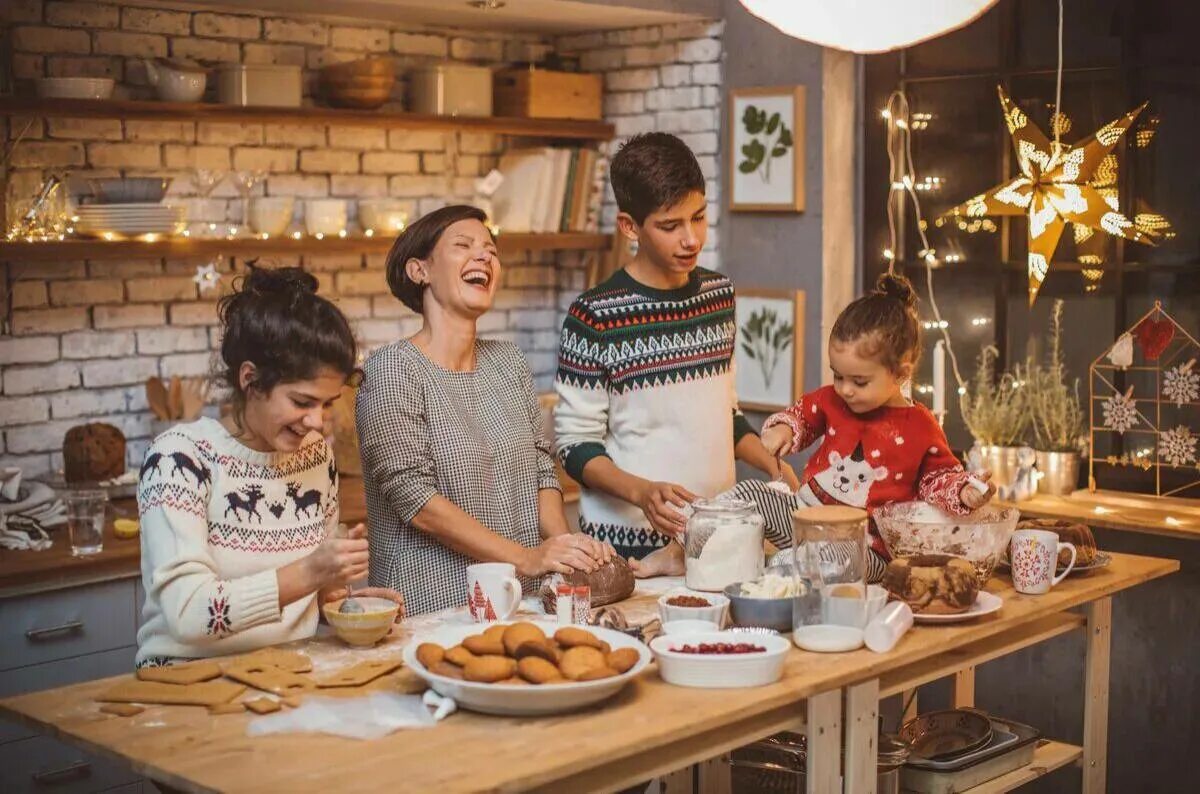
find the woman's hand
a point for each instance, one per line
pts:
(661, 502)
(777, 439)
(972, 497)
(564, 554)
(339, 559)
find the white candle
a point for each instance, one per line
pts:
(939, 380)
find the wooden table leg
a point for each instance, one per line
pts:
(964, 688)
(678, 782)
(862, 733)
(824, 729)
(1095, 704)
(715, 775)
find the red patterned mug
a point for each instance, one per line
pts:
(493, 591)
(1033, 555)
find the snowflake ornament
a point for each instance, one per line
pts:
(1181, 384)
(1177, 446)
(206, 277)
(1120, 412)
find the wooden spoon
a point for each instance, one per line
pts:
(176, 398)
(156, 397)
(195, 395)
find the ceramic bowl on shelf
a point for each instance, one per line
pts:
(75, 87)
(271, 214)
(720, 670)
(365, 83)
(714, 610)
(325, 216)
(129, 189)
(362, 629)
(911, 528)
(384, 215)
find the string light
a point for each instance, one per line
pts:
(978, 321)
(368, 232)
(930, 325)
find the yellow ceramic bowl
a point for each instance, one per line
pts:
(362, 629)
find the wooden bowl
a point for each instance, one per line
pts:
(367, 67)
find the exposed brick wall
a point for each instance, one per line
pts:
(86, 335)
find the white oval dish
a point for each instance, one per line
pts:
(727, 671)
(985, 604)
(519, 700)
(715, 612)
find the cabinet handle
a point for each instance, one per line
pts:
(46, 634)
(79, 769)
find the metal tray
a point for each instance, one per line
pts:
(1006, 737)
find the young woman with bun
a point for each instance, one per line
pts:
(239, 516)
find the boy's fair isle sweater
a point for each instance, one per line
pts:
(891, 454)
(645, 377)
(217, 521)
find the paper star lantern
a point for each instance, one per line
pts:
(865, 26)
(1054, 189)
(207, 276)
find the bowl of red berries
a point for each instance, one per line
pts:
(721, 659)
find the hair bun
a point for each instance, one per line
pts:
(896, 286)
(279, 281)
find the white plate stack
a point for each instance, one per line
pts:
(119, 221)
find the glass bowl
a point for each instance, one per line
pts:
(909, 528)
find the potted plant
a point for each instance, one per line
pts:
(994, 410)
(1055, 414)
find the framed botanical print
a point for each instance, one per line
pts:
(766, 149)
(769, 358)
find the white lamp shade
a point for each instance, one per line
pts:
(867, 26)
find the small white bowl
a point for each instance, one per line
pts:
(384, 216)
(75, 87)
(325, 216)
(715, 612)
(726, 671)
(678, 627)
(271, 215)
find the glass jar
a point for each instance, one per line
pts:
(830, 558)
(723, 544)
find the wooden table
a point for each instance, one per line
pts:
(1128, 512)
(650, 729)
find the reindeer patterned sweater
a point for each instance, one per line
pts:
(217, 520)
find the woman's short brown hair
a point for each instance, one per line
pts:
(418, 242)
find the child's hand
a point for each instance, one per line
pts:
(972, 497)
(777, 439)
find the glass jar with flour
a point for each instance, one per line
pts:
(723, 544)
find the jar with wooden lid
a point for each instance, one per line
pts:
(830, 555)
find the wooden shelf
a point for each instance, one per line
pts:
(187, 247)
(1048, 757)
(318, 116)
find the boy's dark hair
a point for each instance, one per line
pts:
(418, 241)
(652, 171)
(275, 320)
(887, 318)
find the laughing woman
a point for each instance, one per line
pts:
(239, 515)
(455, 464)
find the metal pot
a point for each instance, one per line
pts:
(778, 765)
(1002, 462)
(1060, 472)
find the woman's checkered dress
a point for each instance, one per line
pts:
(474, 438)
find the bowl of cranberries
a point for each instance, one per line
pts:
(681, 604)
(720, 659)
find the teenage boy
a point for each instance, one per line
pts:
(647, 418)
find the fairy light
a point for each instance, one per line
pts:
(368, 232)
(320, 235)
(1100, 510)
(889, 254)
(342, 233)
(296, 235)
(978, 321)
(930, 325)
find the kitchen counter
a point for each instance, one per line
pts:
(649, 729)
(1127, 512)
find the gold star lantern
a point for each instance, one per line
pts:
(1055, 188)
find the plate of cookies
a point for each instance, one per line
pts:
(526, 668)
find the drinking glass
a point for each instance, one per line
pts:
(205, 181)
(245, 182)
(85, 520)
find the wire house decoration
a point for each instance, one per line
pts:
(1144, 404)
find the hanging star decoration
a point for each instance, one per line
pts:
(1054, 188)
(207, 276)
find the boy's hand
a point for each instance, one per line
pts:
(972, 497)
(777, 439)
(661, 502)
(789, 476)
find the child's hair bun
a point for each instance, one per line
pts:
(896, 286)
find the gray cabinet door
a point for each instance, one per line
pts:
(61, 624)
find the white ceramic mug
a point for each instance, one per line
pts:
(493, 591)
(1033, 556)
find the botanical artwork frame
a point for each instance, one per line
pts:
(775, 381)
(766, 149)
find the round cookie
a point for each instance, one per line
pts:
(538, 648)
(447, 670)
(495, 632)
(429, 654)
(537, 671)
(489, 669)
(519, 633)
(623, 659)
(571, 637)
(483, 645)
(579, 660)
(596, 673)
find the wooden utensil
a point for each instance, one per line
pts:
(195, 395)
(175, 397)
(157, 398)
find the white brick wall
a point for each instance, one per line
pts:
(86, 335)
(661, 78)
